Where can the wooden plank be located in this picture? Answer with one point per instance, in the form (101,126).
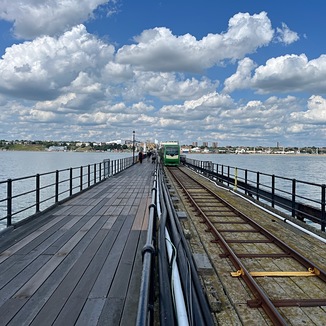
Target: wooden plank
(111,312)
(91,312)
(56,302)
(118,291)
(141,213)
(130,308)
(70,312)
(20,278)
(37,301)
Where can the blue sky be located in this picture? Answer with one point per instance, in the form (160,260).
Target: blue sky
(243,72)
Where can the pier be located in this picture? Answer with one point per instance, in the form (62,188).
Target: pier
(81,262)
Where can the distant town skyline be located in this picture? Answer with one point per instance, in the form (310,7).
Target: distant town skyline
(234,72)
(129,142)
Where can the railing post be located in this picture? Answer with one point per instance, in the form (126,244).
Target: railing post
(293,197)
(9,202)
(246,182)
(273,190)
(37,194)
(235,188)
(228,176)
(70,182)
(94,173)
(100,172)
(56,186)
(323,217)
(257,186)
(81,179)
(89,175)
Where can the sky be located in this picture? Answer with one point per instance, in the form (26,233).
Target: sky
(236,72)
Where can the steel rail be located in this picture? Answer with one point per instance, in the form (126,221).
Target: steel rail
(262,299)
(288,250)
(259,294)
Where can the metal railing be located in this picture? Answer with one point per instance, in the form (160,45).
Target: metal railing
(24,197)
(145,314)
(299,199)
(182,297)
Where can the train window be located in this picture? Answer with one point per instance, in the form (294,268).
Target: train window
(172,151)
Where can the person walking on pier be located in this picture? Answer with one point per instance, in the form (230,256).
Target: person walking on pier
(140,157)
(149,153)
(153,157)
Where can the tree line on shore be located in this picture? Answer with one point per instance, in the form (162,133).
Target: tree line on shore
(69,146)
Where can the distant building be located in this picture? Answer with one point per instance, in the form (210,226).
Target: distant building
(57,148)
(195,144)
(214,144)
(205,144)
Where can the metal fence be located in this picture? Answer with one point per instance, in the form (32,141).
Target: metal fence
(26,196)
(299,199)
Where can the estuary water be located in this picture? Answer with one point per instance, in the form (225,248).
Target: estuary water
(16,164)
(310,168)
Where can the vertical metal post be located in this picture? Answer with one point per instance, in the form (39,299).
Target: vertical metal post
(235,188)
(293,197)
(56,186)
(133,147)
(228,175)
(81,179)
(246,182)
(9,201)
(94,173)
(257,186)
(37,193)
(70,182)
(89,175)
(273,190)
(323,217)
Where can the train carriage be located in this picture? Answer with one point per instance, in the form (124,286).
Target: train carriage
(170,153)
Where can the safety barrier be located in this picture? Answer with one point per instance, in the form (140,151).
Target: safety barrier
(300,199)
(25,197)
(145,315)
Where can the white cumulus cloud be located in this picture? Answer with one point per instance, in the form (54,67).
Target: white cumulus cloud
(33,18)
(158,49)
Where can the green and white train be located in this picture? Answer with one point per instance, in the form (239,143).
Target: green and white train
(170,153)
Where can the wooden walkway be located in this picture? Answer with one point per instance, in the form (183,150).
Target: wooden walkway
(80,263)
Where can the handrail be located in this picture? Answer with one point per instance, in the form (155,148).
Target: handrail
(25,197)
(198,311)
(145,314)
(300,199)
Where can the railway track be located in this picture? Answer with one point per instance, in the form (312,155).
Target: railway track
(277,277)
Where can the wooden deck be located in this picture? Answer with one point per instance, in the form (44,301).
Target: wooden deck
(80,263)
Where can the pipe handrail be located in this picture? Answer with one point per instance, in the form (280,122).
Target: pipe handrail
(19,196)
(145,314)
(300,199)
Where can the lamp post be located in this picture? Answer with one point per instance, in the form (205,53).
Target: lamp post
(133,147)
